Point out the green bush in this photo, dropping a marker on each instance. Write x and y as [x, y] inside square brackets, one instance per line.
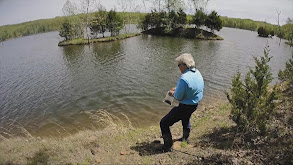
[199, 18]
[214, 22]
[263, 32]
[252, 101]
[287, 76]
[154, 20]
[114, 23]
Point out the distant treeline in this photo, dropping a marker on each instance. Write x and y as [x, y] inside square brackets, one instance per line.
[248, 24]
[55, 24]
[30, 28]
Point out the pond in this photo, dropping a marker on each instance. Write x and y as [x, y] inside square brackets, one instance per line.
[49, 90]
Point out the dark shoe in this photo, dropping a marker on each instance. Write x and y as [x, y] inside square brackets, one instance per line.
[164, 149]
[168, 142]
[167, 149]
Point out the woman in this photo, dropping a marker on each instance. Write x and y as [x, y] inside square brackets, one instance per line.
[188, 92]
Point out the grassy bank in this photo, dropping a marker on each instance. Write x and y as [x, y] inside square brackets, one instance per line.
[81, 41]
[118, 143]
[192, 33]
[214, 140]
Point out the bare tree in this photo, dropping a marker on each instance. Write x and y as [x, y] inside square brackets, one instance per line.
[86, 7]
[123, 7]
[159, 5]
[290, 35]
[127, 6]
[69, 8]
[174, 5]
[143, 2]
[198, 4]
[156, 4]
[278, 20]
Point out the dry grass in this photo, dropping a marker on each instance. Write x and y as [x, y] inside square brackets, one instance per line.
[213, 140]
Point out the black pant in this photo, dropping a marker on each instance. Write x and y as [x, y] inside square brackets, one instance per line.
[182, 112]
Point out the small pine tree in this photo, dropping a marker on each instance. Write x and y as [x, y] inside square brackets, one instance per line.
[66, 30]
[252, 101]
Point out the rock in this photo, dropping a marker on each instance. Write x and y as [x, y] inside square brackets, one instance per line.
[98, 160]
[123, 152]
[93, 152]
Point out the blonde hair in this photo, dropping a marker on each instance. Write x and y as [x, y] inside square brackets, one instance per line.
[186, 59]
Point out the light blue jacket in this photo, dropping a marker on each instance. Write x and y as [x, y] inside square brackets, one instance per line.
[190, 87]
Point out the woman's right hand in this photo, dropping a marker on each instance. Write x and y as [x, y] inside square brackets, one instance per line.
[172, 91]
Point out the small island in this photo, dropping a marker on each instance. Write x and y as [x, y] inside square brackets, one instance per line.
[192, 33]
[76, 33]
[172, 23]
[82, 41]
[176, 24]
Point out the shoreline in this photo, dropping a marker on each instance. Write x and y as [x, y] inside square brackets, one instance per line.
[81, 41]
[214, 139]
[90, 123]
[119, 142]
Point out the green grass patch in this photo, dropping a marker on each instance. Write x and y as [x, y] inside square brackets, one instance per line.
[184, 144]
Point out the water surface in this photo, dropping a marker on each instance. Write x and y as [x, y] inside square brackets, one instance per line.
[48, 89]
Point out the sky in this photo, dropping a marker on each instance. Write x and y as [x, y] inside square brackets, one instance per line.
[17, 11]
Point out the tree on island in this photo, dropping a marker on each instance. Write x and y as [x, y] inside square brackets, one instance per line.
[99, 23]
[71, 28]
[182, 19]
[154, 20]
[66, 30]
[114, 23]
[176, 20]
[199, 18]
[214, 22]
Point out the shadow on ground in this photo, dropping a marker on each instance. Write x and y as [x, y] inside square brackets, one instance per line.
[246, 148]
[148, 148]
[153, 148]
[222, 138]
